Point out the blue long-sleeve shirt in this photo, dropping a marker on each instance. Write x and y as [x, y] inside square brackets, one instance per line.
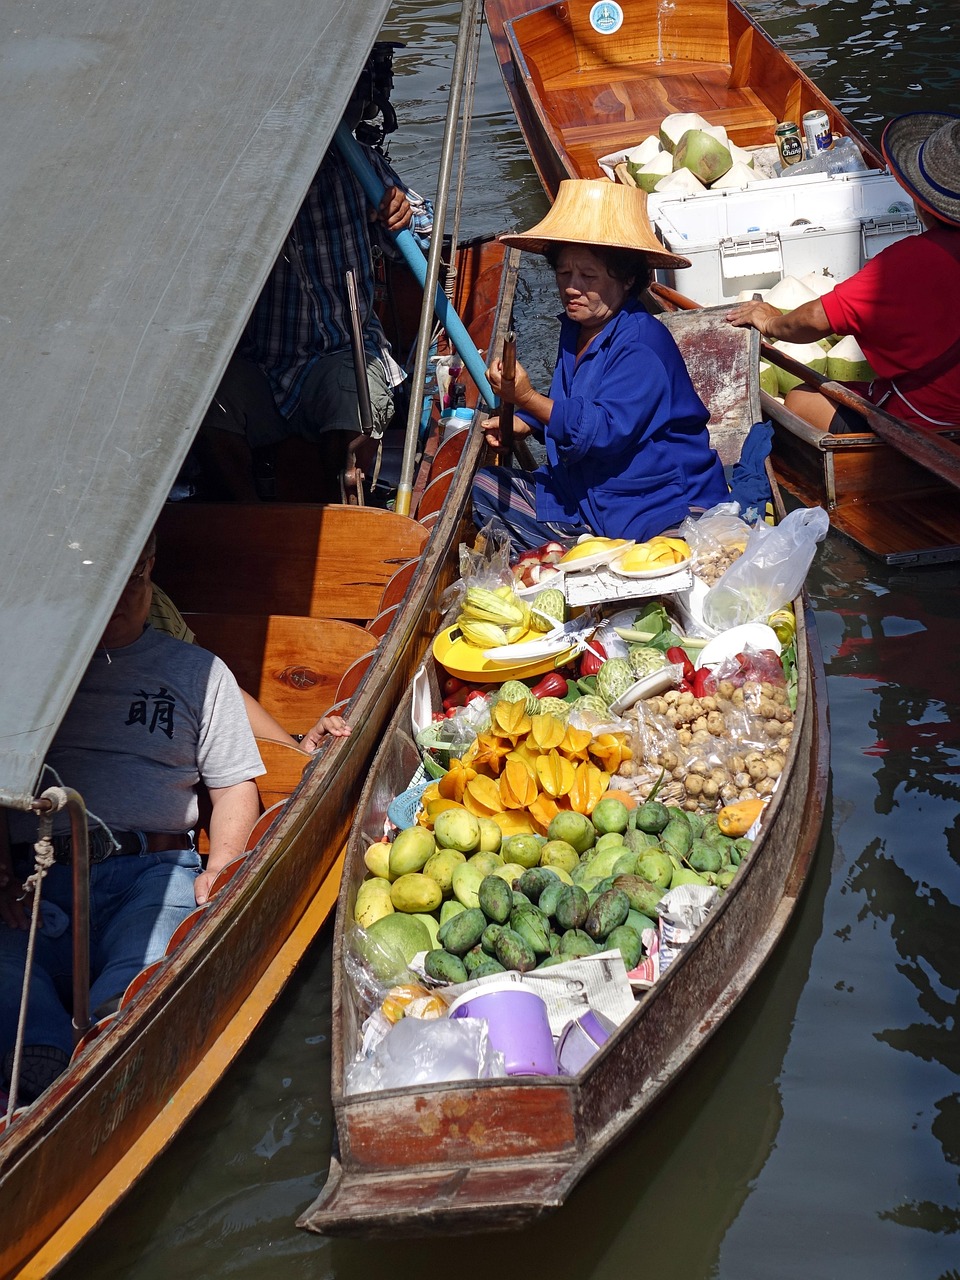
[628, 451]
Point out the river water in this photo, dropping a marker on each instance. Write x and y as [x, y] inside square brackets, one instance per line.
[818, 1136]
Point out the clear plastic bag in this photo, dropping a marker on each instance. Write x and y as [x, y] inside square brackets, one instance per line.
[418, 1052]
[770, 572]
[486, 564]
[716, 538]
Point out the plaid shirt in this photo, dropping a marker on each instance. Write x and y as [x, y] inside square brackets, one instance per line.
[302, 313]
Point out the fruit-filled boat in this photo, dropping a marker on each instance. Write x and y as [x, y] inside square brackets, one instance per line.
[592, 85]
[544, 767]
[144, 227]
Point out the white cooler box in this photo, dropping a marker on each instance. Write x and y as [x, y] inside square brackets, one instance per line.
[750, 239]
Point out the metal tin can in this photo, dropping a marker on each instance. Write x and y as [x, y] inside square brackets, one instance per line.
[817, 131]
[789, 143]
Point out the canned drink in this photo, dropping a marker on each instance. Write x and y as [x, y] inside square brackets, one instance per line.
[789, 143]
[817, 131]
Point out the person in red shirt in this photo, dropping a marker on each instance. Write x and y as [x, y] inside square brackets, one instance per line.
[902, 305]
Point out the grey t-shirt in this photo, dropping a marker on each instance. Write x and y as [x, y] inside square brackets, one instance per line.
[143, 729]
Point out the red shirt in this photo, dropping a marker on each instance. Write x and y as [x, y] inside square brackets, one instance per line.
[903, 307]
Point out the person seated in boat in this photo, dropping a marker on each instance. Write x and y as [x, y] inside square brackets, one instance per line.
[628, 454]
[293, 374]
[165, 616]
[901, 306]
[152, 718]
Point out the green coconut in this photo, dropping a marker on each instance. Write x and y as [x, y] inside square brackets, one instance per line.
[809, 353]
[644, 151]
[847, 363]
[769, 381]
[673, 127]
[704, 155]
[646, 176]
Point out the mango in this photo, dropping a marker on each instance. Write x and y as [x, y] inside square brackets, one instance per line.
[610, 816]
[655, 866]
[410, 851]
[510, 872]
[637, 920]
[466, 883]
[474, 958]
[575, 828]
[491, 837]
[602, 864]
[684, 875]
[373, 901]
[625, 865]
[463, 931]
[488, 939]
[609, 911]
[377, 859]
[432, 923]
[415, 892]
[609, 840]
[442, 966]
[495, 899]
[627, 942]
[572, 908]
[450, 909]
[550, 895]
[533, 882]
[514, 952]
[522, 849]
[651, 817]
[575, 943]
[490, 862]
[489, 967]
[559, 853]
[440, 865]
[704, 857]
[457, 829]
[642, 896]
[533, 926]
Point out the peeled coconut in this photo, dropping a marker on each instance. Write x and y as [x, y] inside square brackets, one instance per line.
[672, 128]
[847, 363]
[701, 153]
[809, 353]
[769, 380]
[644, 151]
[736, 178]
[680, 183]
[740, 154]
[648, 175]
[820, 282]
[748, 295]
[789, 293]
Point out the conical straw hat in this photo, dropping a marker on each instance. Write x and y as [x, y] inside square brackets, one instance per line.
[922, 149]
[596, 211]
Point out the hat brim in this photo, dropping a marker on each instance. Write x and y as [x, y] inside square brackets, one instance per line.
[900, 145]
[540, 244]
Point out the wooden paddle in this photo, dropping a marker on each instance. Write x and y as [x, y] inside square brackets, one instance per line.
[507, 394]
[926, 448]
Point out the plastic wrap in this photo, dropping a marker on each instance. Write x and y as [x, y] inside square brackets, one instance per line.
[487, 564]
[418, 1052]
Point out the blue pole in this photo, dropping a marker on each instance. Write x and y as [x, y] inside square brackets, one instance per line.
[413, 255]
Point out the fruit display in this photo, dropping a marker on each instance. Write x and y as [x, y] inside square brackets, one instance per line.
[489, 618]
[585, 885]
[537, 567]
[589, 547]
[657, 553]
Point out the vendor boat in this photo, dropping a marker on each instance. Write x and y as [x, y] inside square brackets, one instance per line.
[495, 1154]
[585, 84]
[153, 166]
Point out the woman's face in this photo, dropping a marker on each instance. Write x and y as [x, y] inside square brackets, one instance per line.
[590, 294]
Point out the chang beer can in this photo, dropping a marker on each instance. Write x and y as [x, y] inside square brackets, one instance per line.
[817, 131]
[789, 143]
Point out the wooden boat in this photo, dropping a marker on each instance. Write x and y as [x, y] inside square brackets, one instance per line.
[495, 1154]
[579, 94]
[114, 351]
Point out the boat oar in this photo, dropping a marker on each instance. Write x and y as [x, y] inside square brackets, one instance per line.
[926, 448]
[507, 393]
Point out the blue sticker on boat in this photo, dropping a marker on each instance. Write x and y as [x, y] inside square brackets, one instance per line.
[606, 17]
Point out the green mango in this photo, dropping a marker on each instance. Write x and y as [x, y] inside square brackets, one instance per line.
[627, 941]
[514, 952]
[704, 857]
[443, 966]
[641, 894]
[651, 817]
[575, 943]
[495, 898]
[463, 931]
[572, 908]
[607, 913]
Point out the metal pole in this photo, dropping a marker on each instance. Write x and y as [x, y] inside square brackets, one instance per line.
[359, 355]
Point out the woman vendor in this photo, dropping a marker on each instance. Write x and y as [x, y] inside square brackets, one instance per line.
[902, 305]
[627, 449]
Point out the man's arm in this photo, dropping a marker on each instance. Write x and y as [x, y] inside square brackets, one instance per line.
[806, 323]
[235, 810]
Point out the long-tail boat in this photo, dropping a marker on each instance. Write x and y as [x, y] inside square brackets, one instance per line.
[494, 1154]
[154, 160]
[588, 81]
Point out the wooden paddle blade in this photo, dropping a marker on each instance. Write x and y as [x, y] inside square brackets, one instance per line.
[507, 396]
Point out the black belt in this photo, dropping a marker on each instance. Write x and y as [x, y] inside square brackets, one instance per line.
[105, 845]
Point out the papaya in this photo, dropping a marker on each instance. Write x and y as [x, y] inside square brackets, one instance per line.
[737, 819]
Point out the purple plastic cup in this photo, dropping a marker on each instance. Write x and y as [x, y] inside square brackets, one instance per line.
[517, 1024]
[580, 1040]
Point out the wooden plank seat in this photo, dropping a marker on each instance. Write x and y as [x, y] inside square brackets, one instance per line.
[435, 494]
[282, 558]
[293, 666]
[284, 765]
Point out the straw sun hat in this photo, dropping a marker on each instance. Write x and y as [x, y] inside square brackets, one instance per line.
[923, 152]
[596, 211]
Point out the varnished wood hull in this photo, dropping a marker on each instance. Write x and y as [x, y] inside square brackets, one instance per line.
[495, 1154]
[65, 1160]
[578, 96]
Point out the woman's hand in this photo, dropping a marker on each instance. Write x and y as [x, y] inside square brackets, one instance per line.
[491, 430]
[526, 399]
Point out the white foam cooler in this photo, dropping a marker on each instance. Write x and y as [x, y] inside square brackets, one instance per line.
[750, 239]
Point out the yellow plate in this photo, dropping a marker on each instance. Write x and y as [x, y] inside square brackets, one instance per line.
[467, 662]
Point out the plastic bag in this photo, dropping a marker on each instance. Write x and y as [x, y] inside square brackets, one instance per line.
[417, 1052]
[486, 564]
[716, 538]
[770, 572]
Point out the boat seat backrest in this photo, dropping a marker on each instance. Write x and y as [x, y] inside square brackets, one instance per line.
[282, 558]
[292, 666]
[724, 366]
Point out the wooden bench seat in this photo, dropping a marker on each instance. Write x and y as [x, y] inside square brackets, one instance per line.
[292, 666]
[282, 558]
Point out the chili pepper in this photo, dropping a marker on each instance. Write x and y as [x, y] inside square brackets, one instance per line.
[553, 685]
[590, 663]
[678, 655]
[704, 682]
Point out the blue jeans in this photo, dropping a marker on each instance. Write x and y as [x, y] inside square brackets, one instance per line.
[136, 902]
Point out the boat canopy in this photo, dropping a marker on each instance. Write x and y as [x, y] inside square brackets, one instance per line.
[153, 157]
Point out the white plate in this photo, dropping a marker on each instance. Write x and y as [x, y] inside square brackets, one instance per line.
[527, 593]
[660, 572]
[515, 655]
[591, 562]
[729, 643]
